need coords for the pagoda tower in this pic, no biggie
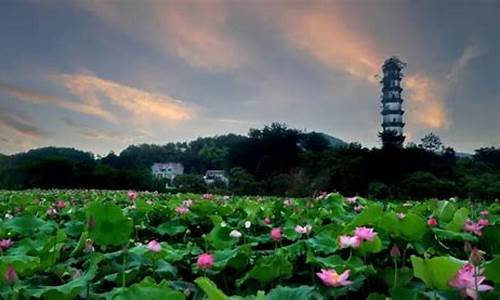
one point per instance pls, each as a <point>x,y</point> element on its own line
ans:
<point>392,111</point>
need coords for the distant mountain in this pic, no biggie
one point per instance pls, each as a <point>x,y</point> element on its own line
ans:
<point>464,155</point>
<point>334,142</point>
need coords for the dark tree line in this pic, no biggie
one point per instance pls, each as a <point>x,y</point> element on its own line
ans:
<point>274,160</point>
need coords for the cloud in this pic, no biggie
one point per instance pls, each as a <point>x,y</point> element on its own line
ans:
<point>327,38</point>
<point>140,104</point>
<point>19,123</point>
<point>40,98</point>
<point>469,54</point>
<point>196,32</point>
<point>94,134</point>
<point>426,105</point>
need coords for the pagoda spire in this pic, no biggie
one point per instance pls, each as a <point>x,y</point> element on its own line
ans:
<point>392,111</point>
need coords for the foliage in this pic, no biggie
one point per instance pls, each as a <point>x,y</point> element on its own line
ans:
<point>96,246</point>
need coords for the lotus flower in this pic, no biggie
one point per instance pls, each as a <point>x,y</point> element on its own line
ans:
<point>132,195</point>
<point>89,246</point>
<point>483,213</point>
<point>483,222</point>
<point>248,224</point>
<point>267,220</point>
<point>181,210</point>
<point>187,203</point>
<point>358,208</point>
<point>205,261</point>
<point>303,230</point>
<point>332,279</point>
<point>349,241</point>
<point>60,204</point>
<point>288,202</point>
<point>154,246</point>
<point>208,196</point>
<point>351,200</point>
<point>466,280</point>
<point>365,233</point>
<point>472,227</point>
<point>5,244</point>
<point>401,216</point>
<point>52,211</point>
<point>276,234</point>
<point>235,234</point>
<point>10,274</point>
<point>321,195</point>
<point>432,222</point>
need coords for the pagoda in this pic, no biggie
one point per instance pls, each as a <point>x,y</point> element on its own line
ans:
<point>392,111</point>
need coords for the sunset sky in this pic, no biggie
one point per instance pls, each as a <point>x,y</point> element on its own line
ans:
<point>100,75</point>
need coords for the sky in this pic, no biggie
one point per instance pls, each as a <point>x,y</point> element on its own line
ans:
<point>101,75</point>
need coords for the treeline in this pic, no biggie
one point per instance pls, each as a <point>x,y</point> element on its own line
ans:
<point>275,160</point>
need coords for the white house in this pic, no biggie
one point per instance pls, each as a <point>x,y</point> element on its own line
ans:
<point>212,175</point>
<point>167,170</point>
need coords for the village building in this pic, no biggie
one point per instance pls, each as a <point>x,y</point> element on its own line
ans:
<point>167,170</point>
<point>212,175</point>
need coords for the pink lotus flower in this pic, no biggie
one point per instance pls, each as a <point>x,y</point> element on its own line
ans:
<point>483,222</point>
<point>484,213</point>
<point>332,279</point>
<point>5,244</point>
<point>208,196</point>
<point>10,274</point>
<point>401,216</point>
<point>466,280</point>
<point>472,227</point>
<point>358,208</point>
<point>276,234</point>
<point>132,195</point>
<point>365,233</point>
<point>154,246</point>
<point>349,241</point>
<point>182,210</point>
<point>205,261</point>
<point>351,200</point>
<point>303,230</point>
<point>267,220</point>
<point>60,204</point>
<point>432,222</point>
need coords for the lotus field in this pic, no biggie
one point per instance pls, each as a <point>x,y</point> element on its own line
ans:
<point>129,245</point>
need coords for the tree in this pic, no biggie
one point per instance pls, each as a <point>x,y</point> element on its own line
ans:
<point>431,142</point>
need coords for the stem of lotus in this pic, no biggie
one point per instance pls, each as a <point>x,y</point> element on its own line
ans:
<point>395,273</point>
<point>124,262</point>
<point>476,273</point>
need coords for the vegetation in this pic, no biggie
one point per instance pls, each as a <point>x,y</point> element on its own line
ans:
<point>275,160</point>
<point>90,244</point>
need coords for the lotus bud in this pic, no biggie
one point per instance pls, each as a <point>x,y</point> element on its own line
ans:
<point>10,275</point>
<point>395,252</point>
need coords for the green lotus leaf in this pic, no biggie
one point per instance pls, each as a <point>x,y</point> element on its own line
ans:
<point>111,226</point>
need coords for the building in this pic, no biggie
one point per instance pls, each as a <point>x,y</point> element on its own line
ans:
<point>392,102</point>
<point>212,175</point>
<point>167,170</point>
